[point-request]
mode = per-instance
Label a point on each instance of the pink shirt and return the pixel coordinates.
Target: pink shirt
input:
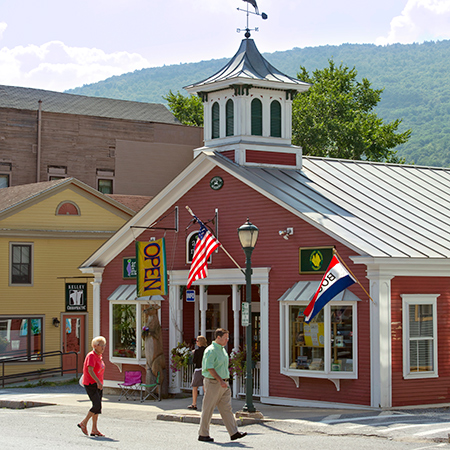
(96, 361)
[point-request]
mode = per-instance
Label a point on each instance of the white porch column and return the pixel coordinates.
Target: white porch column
(380, 338)
(96, 297)
(264, 338)
(175, 327)
(96, 305)
(203, 304)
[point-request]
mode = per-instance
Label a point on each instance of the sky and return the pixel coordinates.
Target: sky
(62, 44)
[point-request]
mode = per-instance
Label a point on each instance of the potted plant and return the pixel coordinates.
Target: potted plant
(180, 357)
(238, 361)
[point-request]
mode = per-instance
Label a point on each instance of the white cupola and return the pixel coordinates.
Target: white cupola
(248, 110)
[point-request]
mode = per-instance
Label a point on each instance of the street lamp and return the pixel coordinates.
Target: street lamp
(248, 235)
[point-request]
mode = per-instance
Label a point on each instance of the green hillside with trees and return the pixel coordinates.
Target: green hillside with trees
(415, 79)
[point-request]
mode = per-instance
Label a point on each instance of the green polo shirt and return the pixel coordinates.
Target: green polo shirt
(215, 357)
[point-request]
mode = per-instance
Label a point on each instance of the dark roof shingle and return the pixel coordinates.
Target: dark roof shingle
(58, 102)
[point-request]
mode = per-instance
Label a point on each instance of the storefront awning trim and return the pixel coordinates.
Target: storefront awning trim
(303, 291)
(127, 292)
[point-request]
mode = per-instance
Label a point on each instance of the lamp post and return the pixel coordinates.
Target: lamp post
(248, 235)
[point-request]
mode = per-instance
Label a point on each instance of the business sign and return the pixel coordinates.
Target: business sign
(315, 259)
(129, 270)
(190, 295)
(76, 297)
(245, 316)
(151, 268)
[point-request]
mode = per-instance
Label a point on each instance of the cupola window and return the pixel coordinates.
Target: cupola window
(275, 119)
(256, 117)
(230, 118)
(215, 118)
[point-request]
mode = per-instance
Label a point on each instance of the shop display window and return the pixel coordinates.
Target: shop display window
(21, 336)
(127, 331)
(124, 331)
(325, 347)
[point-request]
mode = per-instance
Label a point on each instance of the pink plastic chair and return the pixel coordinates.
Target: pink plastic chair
(131, 385)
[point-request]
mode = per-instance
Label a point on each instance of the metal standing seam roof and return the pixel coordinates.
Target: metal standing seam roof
(129, 292)
(58, 102)
(303, 291)
(381, 210)
(249, 64)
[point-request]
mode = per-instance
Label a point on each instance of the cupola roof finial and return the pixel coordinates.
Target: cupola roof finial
(256, 12)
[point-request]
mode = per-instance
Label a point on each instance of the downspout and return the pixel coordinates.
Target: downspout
(39, 137)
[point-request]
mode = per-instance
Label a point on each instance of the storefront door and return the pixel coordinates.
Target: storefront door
(74, 340)
(216, 315)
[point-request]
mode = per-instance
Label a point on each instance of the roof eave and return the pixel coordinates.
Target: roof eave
(229, 83)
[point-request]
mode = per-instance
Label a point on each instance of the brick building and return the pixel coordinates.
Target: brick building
(115, 146)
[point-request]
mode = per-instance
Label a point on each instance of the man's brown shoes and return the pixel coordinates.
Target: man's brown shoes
(238, 435)
(207, 438)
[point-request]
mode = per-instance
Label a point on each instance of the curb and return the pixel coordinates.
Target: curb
(191, 418)
(21, 404)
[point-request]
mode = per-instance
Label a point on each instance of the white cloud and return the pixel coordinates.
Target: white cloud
(55, 66)
(3, 26)
(420, 20)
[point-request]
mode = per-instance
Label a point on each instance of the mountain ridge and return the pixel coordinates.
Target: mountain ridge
(415, 78)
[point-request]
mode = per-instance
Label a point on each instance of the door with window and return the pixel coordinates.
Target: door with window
(216, 315)
(73, 340)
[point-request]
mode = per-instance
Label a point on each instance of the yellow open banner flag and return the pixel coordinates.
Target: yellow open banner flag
(151, 268)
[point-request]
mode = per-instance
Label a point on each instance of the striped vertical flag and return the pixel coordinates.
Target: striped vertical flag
(206, 244)
(335, 280)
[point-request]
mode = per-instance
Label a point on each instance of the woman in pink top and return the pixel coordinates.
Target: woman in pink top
(93, 370)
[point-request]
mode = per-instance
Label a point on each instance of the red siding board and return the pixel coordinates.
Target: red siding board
(230, 154)
(262, 157)
(235, 202)
(426, 390)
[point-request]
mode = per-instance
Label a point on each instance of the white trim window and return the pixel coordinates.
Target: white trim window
(20, 264)
(21, 336)
(420, 335)
(324, 348)
(127, 320)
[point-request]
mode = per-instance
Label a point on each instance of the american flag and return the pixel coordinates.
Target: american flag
(206, 244)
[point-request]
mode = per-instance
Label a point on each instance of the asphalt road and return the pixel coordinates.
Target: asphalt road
(50, 428)
(131, 424)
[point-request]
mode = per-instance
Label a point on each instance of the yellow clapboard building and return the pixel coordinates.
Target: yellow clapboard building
(46, 231)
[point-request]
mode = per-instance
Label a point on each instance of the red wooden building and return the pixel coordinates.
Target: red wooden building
(389, 224)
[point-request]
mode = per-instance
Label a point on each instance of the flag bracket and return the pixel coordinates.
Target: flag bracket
(221, 246)
(153, 227)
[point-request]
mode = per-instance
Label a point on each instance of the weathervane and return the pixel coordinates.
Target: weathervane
(263, 15)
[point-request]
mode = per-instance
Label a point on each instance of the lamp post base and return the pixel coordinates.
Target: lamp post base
(249, 415)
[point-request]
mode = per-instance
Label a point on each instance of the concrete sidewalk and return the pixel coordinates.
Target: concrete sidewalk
(173, 409)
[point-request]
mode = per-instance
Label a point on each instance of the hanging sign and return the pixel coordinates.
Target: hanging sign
(190, 295)
(129, 268)
(245, 316)
(151, 268)
(76, 297)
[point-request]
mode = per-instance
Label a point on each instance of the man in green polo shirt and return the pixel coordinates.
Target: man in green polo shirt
(217, 389)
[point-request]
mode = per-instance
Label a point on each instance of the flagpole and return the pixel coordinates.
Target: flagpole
(351, 273)
(221, 246)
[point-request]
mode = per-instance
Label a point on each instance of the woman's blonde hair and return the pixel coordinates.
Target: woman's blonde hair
(202, 342)
(98, 340)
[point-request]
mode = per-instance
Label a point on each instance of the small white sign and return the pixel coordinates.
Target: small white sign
(190, 295)
(245, 316)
